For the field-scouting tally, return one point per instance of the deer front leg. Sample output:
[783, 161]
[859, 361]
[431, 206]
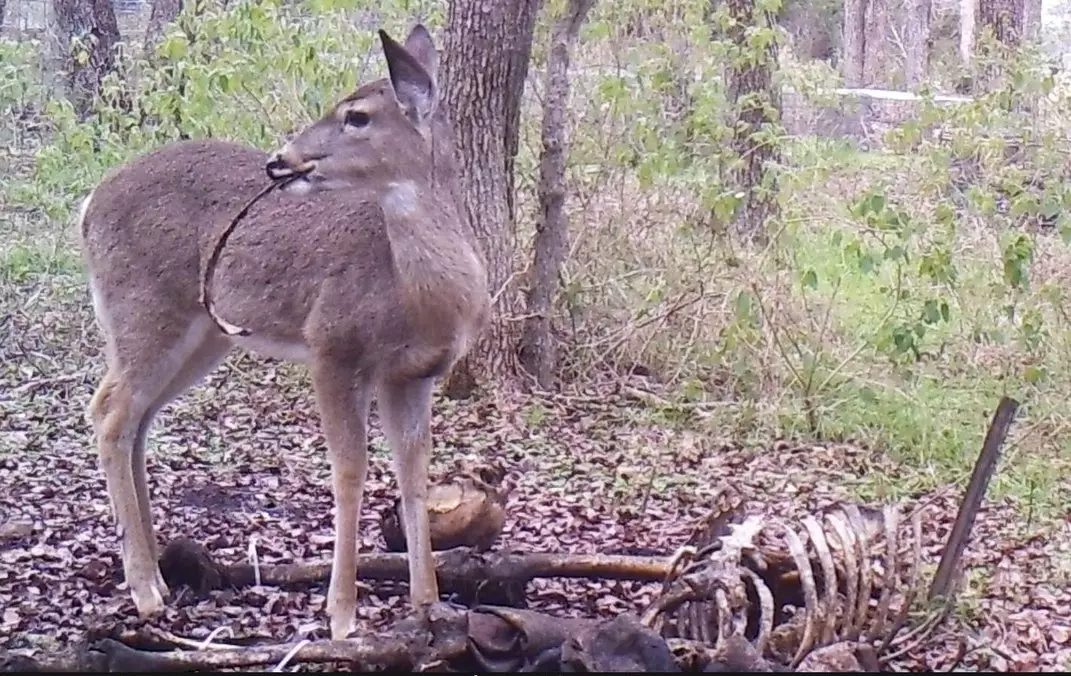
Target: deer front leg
[343, 402]
[117, 423]
[405, 409]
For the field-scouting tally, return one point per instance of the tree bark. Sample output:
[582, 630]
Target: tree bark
[163, 12]
[552, 233]
[93, 23]
[3, 8]
[854, 42]
[876, 60]
[1004, 18]
[812, 29]
[756, 104]
[485, 63]
[1032, 20]
[917, 42]
[967, 16]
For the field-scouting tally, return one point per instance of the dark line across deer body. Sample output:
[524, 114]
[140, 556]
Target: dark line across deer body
[217, 249]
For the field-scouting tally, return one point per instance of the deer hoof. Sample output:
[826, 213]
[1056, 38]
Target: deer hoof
[150, 599]
[342, 625]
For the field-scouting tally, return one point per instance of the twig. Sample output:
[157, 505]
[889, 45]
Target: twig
[32, 385]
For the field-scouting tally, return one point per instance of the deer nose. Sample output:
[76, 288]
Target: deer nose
[284, 164]
[277, 168]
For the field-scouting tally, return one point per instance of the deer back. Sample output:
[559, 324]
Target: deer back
[365, 254]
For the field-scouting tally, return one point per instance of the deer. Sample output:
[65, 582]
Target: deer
[363, 266]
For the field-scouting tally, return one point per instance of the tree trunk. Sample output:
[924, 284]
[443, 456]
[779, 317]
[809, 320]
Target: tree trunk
[756, 104]
[854, 42]
[163, 12]
[92, 23]
[917, 43]
[877, 61]
[967, 15]
[1032, 20]
[3, 8]
[809, 26]
[1004, 18]
[485, 63]
[552, 235]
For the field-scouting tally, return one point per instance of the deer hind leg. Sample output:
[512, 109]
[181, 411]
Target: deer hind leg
[405, 410]
[203, 359]
[137, 384]
[343, 397]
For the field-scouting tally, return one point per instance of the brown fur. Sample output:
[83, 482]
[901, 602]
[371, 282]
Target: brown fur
[372, 276]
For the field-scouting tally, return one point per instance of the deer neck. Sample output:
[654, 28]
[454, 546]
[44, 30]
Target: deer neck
[434, 254]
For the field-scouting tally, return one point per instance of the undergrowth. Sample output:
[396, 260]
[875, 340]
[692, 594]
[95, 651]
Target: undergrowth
[905, 289]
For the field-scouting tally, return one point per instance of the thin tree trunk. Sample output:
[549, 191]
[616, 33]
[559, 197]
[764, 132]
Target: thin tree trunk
[552, 235]
[917, 43]
[877, 66]
[163, 12]
[756, 104]
[93, 24]
[1004, 18]
[967, 17]
[1032, 20]
[486, 53]
[810, 30]
[854, 42]
[3, 8]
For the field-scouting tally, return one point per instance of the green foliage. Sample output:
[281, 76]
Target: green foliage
[252, 72]
[21, 80]
[902, 292]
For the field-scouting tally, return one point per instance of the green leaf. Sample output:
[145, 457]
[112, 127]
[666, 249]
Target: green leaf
[1034, 374]
[744, 303]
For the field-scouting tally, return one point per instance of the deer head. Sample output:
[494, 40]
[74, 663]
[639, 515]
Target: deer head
[376, 134]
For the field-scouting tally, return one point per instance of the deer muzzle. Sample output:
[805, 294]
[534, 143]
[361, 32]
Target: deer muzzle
[284, 165]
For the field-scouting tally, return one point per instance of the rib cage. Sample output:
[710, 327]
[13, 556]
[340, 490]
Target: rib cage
[765, 578]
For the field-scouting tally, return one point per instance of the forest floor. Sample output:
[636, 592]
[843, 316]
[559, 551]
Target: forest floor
[242, 457]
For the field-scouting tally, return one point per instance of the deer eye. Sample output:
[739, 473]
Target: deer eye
[357, 119]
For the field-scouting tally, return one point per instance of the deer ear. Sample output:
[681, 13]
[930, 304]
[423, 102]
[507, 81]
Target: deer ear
[413, 86]
[420, 45]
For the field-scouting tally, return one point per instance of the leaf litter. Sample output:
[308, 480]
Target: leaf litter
[239, 464]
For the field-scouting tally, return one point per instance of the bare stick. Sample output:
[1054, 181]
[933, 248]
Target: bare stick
[381, 651]
[186, 562]
[972, 499]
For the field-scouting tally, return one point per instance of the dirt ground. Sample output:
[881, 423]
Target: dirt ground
[241, 461]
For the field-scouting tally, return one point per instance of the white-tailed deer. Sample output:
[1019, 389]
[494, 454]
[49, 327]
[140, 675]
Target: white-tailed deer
[363, 266]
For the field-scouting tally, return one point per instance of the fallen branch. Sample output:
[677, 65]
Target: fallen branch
[972, 498]
[185, 562]
[734, 578]
[378, 651]
[485, 639]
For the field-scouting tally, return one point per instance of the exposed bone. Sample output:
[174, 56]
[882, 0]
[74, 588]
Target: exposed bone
[810, 594]
[912, 589]
[892, 550]
[725, 615]
[851, 567]
[766, 609]
[855, 519]
[700, 621]
[829, 575]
